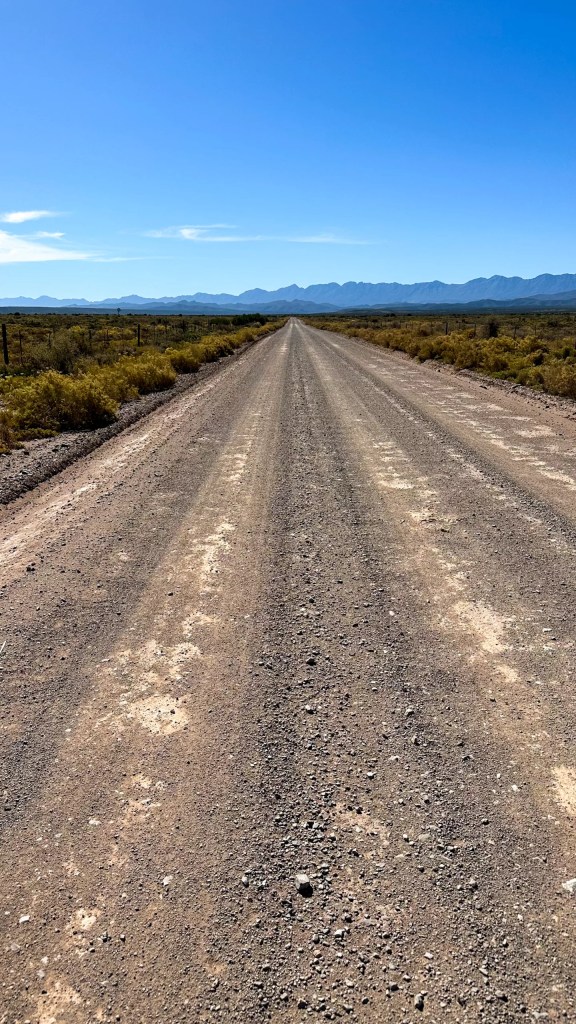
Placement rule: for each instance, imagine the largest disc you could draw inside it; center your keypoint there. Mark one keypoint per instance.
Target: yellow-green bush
(131, 376)
(7, 431)
(50, 401)
(186, 359)
(535, 354)
(67, 342)
(559, 379)
(189, 358)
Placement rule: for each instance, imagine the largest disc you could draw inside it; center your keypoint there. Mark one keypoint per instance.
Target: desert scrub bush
(51, 402)
(531, 349)
(186, 359)
(44, 403)
(8, 437)
(68, 341)
(559, 379)
(213, 348)
(131, 376)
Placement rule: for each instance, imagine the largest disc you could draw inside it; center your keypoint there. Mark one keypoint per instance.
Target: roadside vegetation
(537, 350)
(73, 372)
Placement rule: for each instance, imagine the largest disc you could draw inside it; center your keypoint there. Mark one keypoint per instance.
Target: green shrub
(559, 379)
(131, 376)
(186, 359)
(52, 402)
(528, 358)
(41, 404)
(7, 432)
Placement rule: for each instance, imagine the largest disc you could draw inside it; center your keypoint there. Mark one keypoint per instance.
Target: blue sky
(185, 146)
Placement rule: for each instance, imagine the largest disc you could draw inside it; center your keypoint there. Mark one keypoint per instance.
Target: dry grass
(536, 350)
(90, 392)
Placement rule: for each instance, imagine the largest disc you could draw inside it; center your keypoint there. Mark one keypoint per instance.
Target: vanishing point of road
(314, 615)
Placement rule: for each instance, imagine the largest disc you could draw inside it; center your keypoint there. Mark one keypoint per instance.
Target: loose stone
(303, 884)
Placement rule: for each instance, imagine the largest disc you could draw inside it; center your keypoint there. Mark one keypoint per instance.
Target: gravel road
(314, 616)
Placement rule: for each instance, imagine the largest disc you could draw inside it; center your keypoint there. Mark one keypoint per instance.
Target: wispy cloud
(212, 233)
(95, 258)
(21, 216)
(198, 233)
(21, 249)
(325, 240)
(36, 248)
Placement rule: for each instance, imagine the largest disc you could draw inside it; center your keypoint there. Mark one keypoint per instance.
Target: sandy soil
(315, 615)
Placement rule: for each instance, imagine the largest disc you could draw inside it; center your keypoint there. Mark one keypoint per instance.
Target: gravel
(155, 681)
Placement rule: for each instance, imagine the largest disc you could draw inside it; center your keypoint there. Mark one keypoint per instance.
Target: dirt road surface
(316, 615)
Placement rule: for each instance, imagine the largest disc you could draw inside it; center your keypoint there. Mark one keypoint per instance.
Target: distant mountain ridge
(333, 296)
(353, 293)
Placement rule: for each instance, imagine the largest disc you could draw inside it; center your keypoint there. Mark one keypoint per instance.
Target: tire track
(303, 626)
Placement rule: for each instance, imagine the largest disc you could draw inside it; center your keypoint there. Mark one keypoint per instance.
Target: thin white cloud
(325, 240)
(35, 247)
(18, 249)
(21, 216)
(197, 233)
(205, 233)
(115, 259)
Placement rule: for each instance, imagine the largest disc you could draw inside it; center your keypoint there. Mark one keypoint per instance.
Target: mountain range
(544, 291)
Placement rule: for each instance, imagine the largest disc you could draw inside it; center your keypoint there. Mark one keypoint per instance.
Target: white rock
(303, 883)
(570, 886)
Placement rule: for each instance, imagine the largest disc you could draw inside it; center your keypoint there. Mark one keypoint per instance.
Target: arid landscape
(288, 512)
(312, 615)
